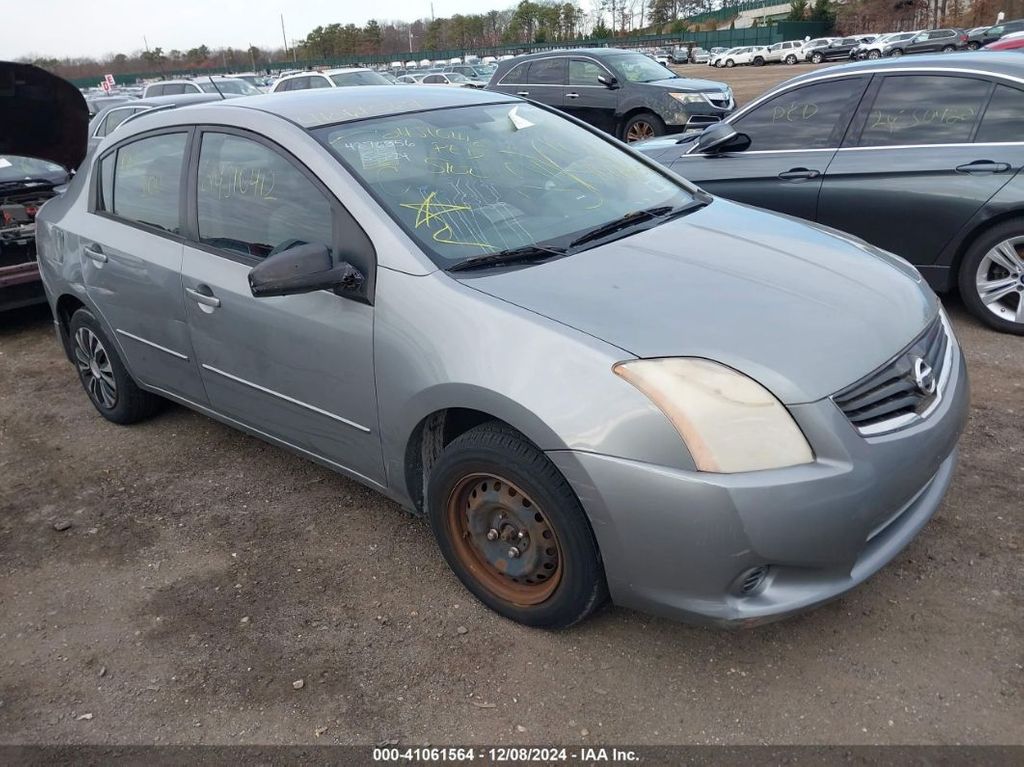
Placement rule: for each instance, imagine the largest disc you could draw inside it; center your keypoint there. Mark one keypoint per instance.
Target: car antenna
(219, 92)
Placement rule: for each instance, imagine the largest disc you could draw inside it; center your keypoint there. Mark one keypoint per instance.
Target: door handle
(522, 93)
(983, 166)
(799, 174)
(95, 253)
(205, 298)
(572, 95)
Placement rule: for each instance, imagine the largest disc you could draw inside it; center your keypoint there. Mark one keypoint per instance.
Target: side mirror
(608, 81)
(302, 269)
(721, 137)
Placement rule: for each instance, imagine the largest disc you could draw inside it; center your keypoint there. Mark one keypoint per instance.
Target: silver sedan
(593, 378)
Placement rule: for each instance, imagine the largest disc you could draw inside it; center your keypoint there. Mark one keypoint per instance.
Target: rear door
(586, 98)
(298, 368)
(131, 265)
(793, 138)
(919, 161)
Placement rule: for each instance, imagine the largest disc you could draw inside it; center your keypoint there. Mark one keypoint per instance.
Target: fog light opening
(752, 581)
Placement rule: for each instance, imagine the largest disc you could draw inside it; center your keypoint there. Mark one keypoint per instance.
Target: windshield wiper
(661, 213)
(510, 256)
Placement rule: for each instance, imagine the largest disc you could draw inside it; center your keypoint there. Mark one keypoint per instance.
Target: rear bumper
(679, 543)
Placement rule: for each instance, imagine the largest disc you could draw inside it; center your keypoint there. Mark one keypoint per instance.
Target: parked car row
(726, 416)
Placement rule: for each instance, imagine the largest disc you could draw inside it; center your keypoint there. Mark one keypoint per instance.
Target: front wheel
(512, 529)
(642, 126)
(103, 375)
(874, 55)
(992, 278)
(758, 62)
(948, 48)
(896, 53)
(817, 58)
(973, 46)
(791, 59)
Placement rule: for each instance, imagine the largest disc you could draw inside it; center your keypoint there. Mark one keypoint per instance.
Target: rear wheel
(973, 45)
(948, 48)
(512, 529)
(104, 377)
(992, 277)
(730, 63)
(758, 61)
(642, 126)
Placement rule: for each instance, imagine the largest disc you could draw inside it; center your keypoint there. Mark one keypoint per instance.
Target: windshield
(478, 180)
(637, 68)
(456, 77)
(14, 168)
(230, 85)
(359, 78)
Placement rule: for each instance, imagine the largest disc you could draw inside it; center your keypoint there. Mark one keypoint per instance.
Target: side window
(433, 79)
(146, 181)
(516, 75)
(1004, 116)
(583, 72)
(319, 81)
(297, 84)
(106, 185)
(547, 72)
(253, 201)
(812, 117)
(154, 90)
(924, 109)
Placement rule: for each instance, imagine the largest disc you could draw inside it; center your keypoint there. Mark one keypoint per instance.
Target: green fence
(725, 38)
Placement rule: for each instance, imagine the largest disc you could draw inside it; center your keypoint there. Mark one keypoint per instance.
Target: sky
(59, 28)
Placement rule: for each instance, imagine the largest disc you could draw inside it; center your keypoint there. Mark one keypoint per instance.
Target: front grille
(901, 390)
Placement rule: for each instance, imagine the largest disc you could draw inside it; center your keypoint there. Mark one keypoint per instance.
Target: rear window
(1004, 116)
(924, 109)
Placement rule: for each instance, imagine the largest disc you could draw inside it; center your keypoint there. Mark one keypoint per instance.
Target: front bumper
(677, 543)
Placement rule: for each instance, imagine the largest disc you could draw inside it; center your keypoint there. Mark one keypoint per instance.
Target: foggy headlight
(729, 422)
(687, 98)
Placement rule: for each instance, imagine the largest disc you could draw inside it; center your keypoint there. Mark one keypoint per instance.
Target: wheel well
(430, 437)
(627, 116)
(67, 305)
(969, 239)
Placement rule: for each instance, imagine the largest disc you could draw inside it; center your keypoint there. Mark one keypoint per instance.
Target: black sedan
(919, 156)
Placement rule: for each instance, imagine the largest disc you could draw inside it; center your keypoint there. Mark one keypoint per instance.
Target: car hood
(45, 116)
(800, 308)
(688, 84)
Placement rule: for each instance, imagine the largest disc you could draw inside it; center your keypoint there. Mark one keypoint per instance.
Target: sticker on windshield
(519, 123)
(4, 162)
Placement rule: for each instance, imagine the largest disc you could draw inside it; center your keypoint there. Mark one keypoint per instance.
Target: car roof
(989, 62)
(594, 53)
(326, 72)
(327, 106)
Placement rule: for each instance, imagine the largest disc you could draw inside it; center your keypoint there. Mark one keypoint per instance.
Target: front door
(588, 99)
(298, 368)
(132, 243)
(546, 81)
(793, 138)
(923, 155)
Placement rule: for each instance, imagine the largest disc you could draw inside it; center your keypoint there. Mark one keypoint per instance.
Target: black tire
(817, 58)
(496, 450)
(634, 123)
(874, 54)
(948, 48)
(967, 277)
(791, 59)
(973, 45)
(122, 403)
(730, 63)
(758, 61)
(896, 53)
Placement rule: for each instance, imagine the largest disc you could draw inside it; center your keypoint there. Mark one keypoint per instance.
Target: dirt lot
(748, 82)
(204, 573)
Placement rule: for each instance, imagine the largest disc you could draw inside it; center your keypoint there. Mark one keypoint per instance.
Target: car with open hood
(42, 140)
(622, 92)
(592, 377)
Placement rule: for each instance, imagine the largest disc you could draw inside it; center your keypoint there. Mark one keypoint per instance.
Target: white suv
(751, 54)
(786, 52)
(873, 49)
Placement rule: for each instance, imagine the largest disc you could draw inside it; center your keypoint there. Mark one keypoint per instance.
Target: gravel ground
(205, 574)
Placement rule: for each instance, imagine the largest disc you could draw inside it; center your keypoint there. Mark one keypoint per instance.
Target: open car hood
(44, 116)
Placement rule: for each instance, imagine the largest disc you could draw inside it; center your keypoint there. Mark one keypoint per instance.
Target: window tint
(433, 79)
(147, 181)
(251, 200)
(803, 118)
(174, 89)
(1004, 116)
(547, 72)
(319, 81)
(583, 72)
(924, 109)
(154, 90)
(516, 75)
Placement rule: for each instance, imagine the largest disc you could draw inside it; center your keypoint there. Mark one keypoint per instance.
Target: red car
(1009, 43)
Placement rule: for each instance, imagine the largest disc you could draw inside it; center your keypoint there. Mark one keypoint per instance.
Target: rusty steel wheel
(512, 529)
(504, 539)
